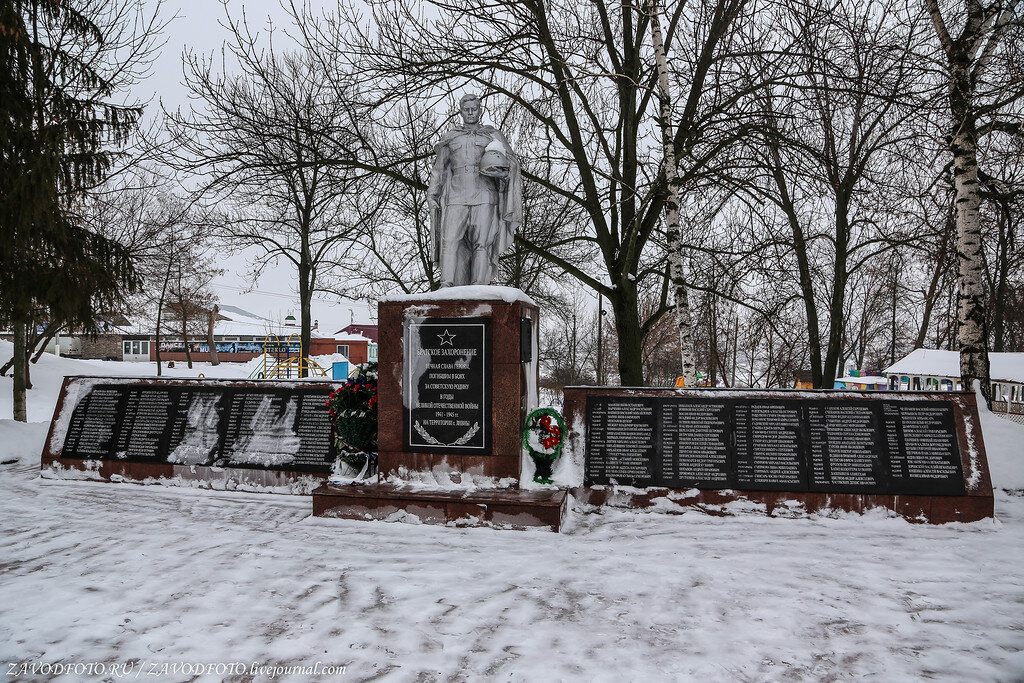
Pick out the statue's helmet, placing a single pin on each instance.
(494, 162)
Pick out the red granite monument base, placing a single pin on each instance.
(509, 381)
(511, 391)
(916, 509)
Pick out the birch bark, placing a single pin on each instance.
(967, 55)
(677, 277)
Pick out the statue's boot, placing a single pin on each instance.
(481, 265)
(449, 263)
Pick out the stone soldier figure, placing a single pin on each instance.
(475, 198)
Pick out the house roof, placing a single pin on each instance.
(1005, 367)
(232, 321)
(361, 331)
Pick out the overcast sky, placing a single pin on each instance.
(198, 28)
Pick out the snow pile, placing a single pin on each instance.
(327, 361)
(1004, 444)
(22, 442)
(442, 478)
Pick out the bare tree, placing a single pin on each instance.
(673, 244)
(581, 81)
(263, 142)
(836, 127)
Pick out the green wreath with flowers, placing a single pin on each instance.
(353, 409)
(542, 439)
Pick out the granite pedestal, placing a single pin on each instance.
(458, 375)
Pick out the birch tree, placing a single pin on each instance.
(674, 247)
(972, 36)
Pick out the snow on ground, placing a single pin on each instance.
(100, 572)
(113, 573)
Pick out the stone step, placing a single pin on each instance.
(501, 508)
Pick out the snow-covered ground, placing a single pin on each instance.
(157, 576)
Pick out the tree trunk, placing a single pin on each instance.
(713, 343)
(159, 314)
(209, 335)
(623, 300)
(931, 296)
(307, 277)
(983, 25)
(184, 334)
(305, 318)
(999, 294)
(684, 321)
(971, 332)
(804, 268)
(834, 350)
(20, 368)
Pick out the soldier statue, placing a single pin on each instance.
(475, 198)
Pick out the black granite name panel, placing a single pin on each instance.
(447, 385)
(828, 445)
(261, 427)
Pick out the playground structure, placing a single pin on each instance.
(286, 366)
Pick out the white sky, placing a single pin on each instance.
(198, 28)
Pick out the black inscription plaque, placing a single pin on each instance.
(230, 426)
(924, 453)
(694, 444)
(197, 427)
(769, 446)
(826, 445)
(846, 449)
(621, 440)
(447, 385)
(95, 423)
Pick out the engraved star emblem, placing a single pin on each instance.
(446, 338)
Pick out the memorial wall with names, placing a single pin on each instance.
(251, 426)
(826, 445)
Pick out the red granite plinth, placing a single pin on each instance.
(506, 508)
(918, 509)
(509, 381)
(197, 476)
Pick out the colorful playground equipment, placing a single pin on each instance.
(286, 366)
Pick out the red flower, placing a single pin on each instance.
(327, 402)
(545, 421)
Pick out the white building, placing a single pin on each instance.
(935, 370)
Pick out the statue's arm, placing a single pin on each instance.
(436, 187)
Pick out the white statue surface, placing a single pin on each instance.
(475, 198)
